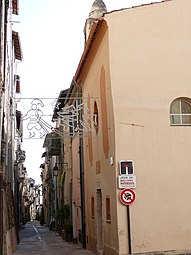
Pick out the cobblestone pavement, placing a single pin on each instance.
(37, 239)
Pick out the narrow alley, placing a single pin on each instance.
(37, 239)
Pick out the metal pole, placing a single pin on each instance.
(56, 206)
(82, 184)
(1, 215)
(129, 230)
(12, 107)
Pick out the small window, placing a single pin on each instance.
(75, 118)
(92, 207)
(95, 117)
(180, 112)
(108, 210)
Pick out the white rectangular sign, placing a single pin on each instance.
(127, 181)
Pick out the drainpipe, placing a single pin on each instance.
(5, 40)
(1, 117)
(2, 77)
(10, 106)
(1, 17)
(82, 183)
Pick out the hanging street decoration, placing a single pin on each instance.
(74, 119)
(77, 119)
(35, 123)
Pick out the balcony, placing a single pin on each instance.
(53, 144)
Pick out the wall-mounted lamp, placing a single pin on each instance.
(55, 170)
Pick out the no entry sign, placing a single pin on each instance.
(127, 196)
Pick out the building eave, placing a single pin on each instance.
(94, 31)
(61, 101)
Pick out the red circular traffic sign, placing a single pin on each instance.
(127, 196)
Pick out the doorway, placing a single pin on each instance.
(99, 223)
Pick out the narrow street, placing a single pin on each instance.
(37, 239)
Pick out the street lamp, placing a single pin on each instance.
(55, 170)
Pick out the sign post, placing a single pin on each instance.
(127, 197)
(127, 182)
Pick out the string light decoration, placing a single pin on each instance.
(75, 119)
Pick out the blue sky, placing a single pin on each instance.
(52, 41)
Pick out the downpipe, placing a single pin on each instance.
(82, 183)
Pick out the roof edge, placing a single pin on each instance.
(94, 31)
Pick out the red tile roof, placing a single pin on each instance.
(141, 5)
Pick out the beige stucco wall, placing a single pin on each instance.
(99, 149)
(150, 58)
(76, 202)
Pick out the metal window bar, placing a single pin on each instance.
(181, 115)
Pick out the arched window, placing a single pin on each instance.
(180, 111)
